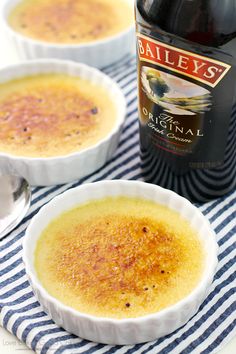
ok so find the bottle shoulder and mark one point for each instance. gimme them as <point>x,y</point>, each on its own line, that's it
<point>206,22</point>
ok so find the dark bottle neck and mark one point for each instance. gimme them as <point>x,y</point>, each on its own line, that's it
<point>207,22</point>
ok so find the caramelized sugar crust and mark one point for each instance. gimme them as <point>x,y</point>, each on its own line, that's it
<point>119,258</point>
<point>53,115</point>
<point>71,21</point>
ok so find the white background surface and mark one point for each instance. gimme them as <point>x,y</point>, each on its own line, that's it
<point>8,343</point>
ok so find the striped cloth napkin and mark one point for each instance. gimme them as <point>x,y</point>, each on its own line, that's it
<point>209,330</point>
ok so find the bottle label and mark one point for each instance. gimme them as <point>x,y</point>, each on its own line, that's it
<point>205,70</point>
<point>183,105</point>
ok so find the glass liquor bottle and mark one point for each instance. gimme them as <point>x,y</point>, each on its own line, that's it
<point>187,100</point>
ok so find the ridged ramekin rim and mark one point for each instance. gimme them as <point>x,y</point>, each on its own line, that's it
<point>106,41</point>
<point>77,154</point>
<point>198,291</point>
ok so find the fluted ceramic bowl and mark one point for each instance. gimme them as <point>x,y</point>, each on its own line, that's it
<point>132,330</point>
<point>99,53</point>
<point>63,169</point>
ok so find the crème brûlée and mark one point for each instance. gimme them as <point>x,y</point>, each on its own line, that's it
<point>119,257</point>
<point>71,21</point>
<point>51,115</point>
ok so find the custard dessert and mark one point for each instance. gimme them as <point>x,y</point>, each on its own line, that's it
<point>71,21</point>
<point>53,115</point>
<point>119,258</point>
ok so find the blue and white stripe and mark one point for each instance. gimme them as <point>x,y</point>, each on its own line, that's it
<point>212,327</point>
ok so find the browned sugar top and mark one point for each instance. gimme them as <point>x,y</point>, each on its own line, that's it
<point>71,21</point>
<point>119,264</point>
<point>53,114</point>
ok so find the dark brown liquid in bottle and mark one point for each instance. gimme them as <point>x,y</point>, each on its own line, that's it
<point>188,120</point>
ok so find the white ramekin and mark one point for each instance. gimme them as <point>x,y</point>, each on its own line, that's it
<point>64,169</point>
<point>99,53</point>
<point>133,330</point>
